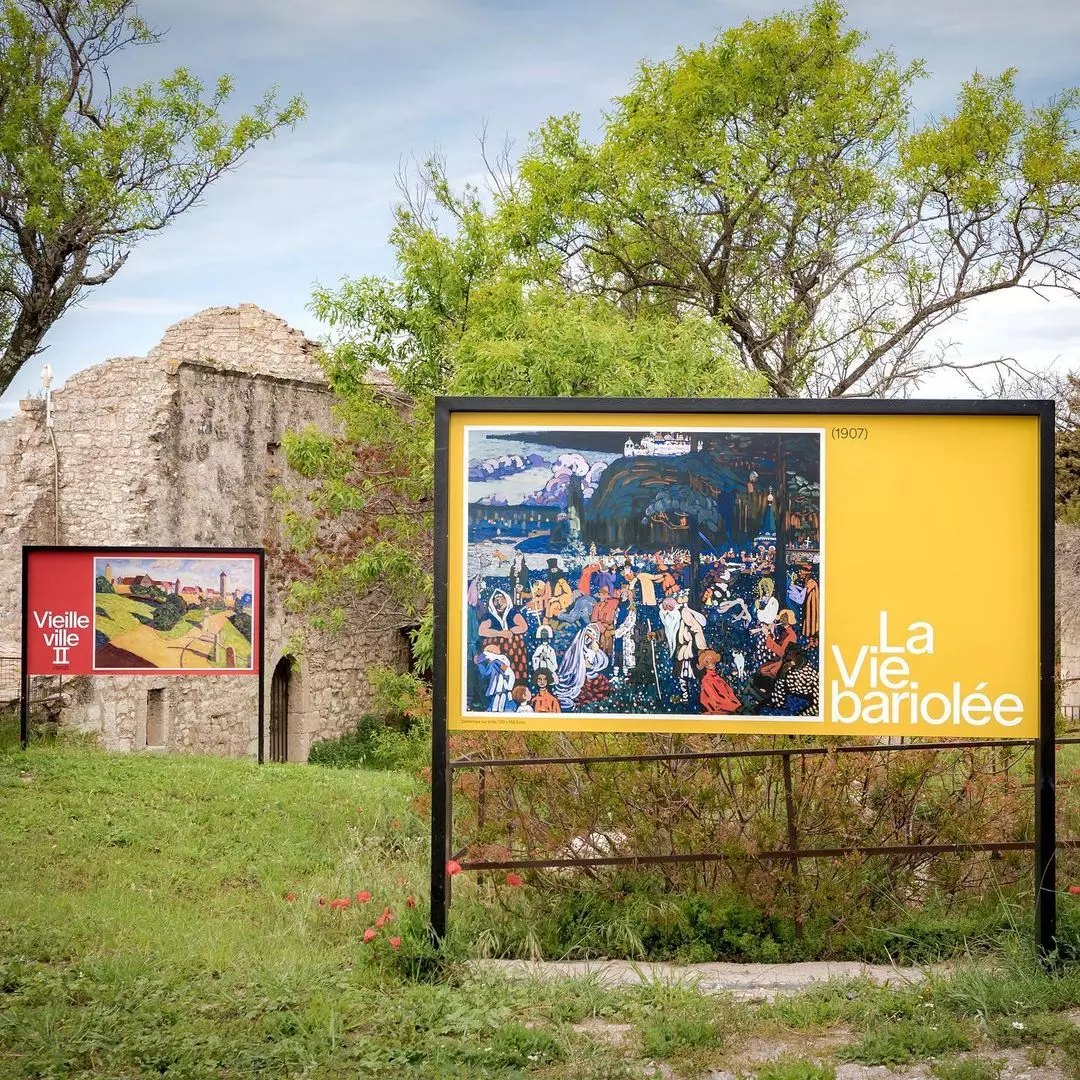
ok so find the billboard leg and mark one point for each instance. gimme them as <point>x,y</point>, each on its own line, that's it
<point>1045,845</point>
<point>441,811</point>
<point>1045,765</point>
<point>24,641</point>
<point>262,654</point>
<point>24,709</point>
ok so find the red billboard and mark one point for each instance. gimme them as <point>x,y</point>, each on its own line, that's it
<point>142,611</point>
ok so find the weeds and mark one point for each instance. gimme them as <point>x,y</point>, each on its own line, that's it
<point>967,1069</point>
<point>796,1070</point>
<point>902,1041</point>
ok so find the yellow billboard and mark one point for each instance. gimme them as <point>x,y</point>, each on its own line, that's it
<point>720,567</point>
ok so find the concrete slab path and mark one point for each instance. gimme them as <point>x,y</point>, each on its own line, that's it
<point>743,981</point>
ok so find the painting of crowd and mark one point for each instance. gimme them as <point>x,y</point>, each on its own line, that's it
<point>644,573</point>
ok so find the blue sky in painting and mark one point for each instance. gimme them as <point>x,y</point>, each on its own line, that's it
<point>203,573</point>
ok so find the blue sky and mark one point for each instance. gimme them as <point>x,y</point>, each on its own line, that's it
<point>201,572</point>
<point>387,80</point>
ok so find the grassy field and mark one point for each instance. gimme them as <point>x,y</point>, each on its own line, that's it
<point>164,916</point>
<point>121,613</point>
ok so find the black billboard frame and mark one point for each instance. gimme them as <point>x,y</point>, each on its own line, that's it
<point>442,769</point>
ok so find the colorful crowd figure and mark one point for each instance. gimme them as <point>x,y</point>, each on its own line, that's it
<point>618,634</point>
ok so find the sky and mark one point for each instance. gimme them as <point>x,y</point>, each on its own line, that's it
<point>204,573</point>
<point>388,81</point>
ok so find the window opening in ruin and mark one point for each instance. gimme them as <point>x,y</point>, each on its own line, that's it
<point>279,710</point>
<point>155,717</point>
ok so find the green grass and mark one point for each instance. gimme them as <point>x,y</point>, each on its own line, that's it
<point>902,1041</point>
<point>121,613</point>
<point>230,636</point>
<point>797,1070</point>
<point>147,930</point>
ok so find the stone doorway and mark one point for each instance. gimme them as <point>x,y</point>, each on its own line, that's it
<point>279,710</point>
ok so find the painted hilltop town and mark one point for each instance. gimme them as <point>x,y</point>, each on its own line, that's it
<point>644,573</point>
<point>173,613</point>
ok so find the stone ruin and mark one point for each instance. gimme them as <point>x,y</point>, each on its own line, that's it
<point>181,448</point>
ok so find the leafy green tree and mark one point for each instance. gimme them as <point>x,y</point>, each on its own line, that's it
<point>1067,453</point>
<point>169,612</point>
<point>86,170</point>
<point>102,584</point>
<point>458,318</point>
<point>776,182</point>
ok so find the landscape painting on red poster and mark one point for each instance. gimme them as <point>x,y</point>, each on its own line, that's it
<point>138,612</point>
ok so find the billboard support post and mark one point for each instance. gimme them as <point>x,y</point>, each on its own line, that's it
<point>261,725</point>
<point>441,777</point>
<point>24,669</point>
<point>1045,764</point>
<point>995,694</point>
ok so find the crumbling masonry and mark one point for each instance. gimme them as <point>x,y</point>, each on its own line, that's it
<point>182,448</point>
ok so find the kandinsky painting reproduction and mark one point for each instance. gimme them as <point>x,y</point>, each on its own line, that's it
<point>643,573</point>
<point>173,613</point>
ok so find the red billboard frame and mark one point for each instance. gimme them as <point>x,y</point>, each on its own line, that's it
<point>61,605</point>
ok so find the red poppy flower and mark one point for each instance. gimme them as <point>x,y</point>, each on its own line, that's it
<point>453,867</point>
<point>363,896</point>
<point>369,935</point>
<point>322,901</point>
<point>344,902</point>
<point>395,824</point>
<point>411,902</point>
<point>395,942</point>
<point>384,918</point>
<point>290,896</point>
<point>1075,890</point>
<point>515,881</point>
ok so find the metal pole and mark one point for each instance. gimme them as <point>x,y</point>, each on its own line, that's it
<point>1045,780</point>
<point>24,674</point>
<point>262,652</point>
<point>441,775</point>
<point>793,844</point>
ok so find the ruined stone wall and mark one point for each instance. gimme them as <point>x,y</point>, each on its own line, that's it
<point>108,425</point>
<point>183,448</point>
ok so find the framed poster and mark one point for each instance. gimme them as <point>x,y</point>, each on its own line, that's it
<point>142,611</point>
<point>782,567</point>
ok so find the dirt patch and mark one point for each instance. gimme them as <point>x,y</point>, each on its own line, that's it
<point>616,1035</point>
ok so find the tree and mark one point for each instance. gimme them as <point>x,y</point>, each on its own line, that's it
<point>775,182</point>
<point>460,318</point>
<point>86,170</point>
<point>1067,454</point>
<point>169,612</point>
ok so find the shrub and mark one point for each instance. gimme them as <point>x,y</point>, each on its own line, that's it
<point>796,1070</point>
<point>737,807</point>
<point>169,612</point>
<point>242,621</point>
<point>673,1034</point>
<point>376,743</point>
<point>907,1040</point>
